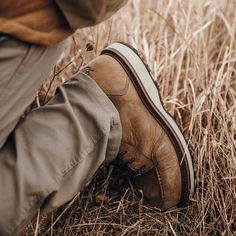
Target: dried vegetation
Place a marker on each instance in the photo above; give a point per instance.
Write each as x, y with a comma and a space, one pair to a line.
191, 48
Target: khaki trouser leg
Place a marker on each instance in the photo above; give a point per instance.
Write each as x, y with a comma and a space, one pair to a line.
57, 148
23, 69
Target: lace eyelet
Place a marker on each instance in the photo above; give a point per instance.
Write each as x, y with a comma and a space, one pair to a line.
121, 154
142, 170
132, 159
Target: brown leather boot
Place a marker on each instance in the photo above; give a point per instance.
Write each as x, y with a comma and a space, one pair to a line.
152, 144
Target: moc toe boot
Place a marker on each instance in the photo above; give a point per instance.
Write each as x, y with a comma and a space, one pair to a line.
152, 145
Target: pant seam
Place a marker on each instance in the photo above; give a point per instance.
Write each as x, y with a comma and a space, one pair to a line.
77, 161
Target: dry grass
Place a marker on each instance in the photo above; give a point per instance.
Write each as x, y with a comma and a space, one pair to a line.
191, 48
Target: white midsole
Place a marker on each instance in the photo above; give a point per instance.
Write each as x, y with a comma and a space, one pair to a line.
147, 83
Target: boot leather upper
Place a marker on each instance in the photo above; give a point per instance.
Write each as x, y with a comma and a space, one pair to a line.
145, 146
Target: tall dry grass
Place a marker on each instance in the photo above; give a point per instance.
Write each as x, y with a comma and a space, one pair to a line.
190, 46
